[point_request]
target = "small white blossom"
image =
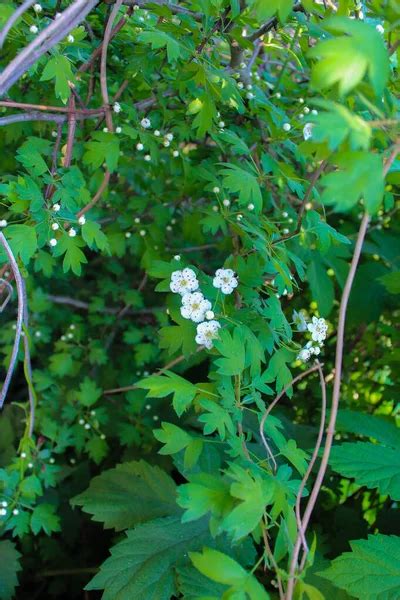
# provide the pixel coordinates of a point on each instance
(3, 223)
(209, 315)
(301, 100)
(53, 242)
(299, 321)
(142, 232)
(166, 143)
(307, 131)
(139, 146)
(306, 110)
(304, 355)
(105, 129)
(82, 220)
(215, 208)
(87, 425)
(145, 123)
(240, 85)
(175, 153)
(278, 95)
(72, 232)
(206, 333)
(301, 116)
(33, 29)
(221, 124)
(55, 226)
(117, 107)
(285, 214)
(318, 329)
(250, 206)
(3, 512)
(286, 127)
(128, 235)
(118, 129)
(147, 157)
(314, 111)
(216, 190)
(184, 281)
(226, 202)
(56, 207)
(37, 7)
(249, 95)
(239, 217)
(194, 307)
(38, 334)
(157, 132)
(16, 512)
(4, 504)
(71, 38)
(23, 454)
(169, 136)
(225, 280)
(380, 29)
(136, 220)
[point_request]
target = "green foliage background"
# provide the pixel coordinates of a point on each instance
(144, 485)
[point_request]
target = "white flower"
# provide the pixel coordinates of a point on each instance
(82, 220)
(177, 257)
(306, 110)
(33, 29)
(299, 321)
(37, 8)
(55, 226)
(72, 232)
(3, 223)
(184, 281)
(249, 95)
(286, 127)
(128, 235)
(53, 242)
(240, 85)
(226, 202)
(71, 38)
(175, 153)
(15, 511)
(139, 147)
(56, 207)
(307, 131)
(147, 157)
(194, 307)
(304, 355)
(225, 280)
(116, 107)
(318, 329)
(221, 124)
(105, 129)
(209, 315)
(145, 123)
(4, 504)
(379, 28)
(169, 136)
(314, 111)
(166, 143)
(3, 512)
(250, 206)
(206, 333)
(118, 129)
(216, 190)
(301, 100)
(157, 132)
(278, 95)
(142, 232)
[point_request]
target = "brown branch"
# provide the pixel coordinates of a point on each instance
(31, 116)
(13, 19)
(337, 380)
(97, 196)
(95, 112)
(71, 131)
(314, 178)
(103, 64)
(275, 401)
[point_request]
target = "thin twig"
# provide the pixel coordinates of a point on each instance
(301, 530)
(31, 116)
(273, 403)
(13, 19)
(97, 196)
(20, 317)
(103, 64)
(336, 382)
(315, 176)
(71, 132)
(95, 112)
(28, 366)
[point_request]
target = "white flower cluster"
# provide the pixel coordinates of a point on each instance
(194, 306)
(225, 280)
(317, 328)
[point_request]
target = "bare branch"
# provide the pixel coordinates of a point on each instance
(103, 64)
(20, 316)
(13, 19)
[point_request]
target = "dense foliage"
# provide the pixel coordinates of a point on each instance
(184, 188)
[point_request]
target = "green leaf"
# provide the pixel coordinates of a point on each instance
(223, 569)
(193, 585)
(345, 60)
(31, 487)
(373, 426)
(265, 9)
(360, 176)
(204, 109)
(232, 349)
(30, 155)
(278, 370)
(97, 448)
(59, 68)
(43, 517)
(28, 189)
(391, 281)
(103, 148)
(142, 566)
(131, 493)
(253, 493)
(88, 393)
(161, 39)
(74, 257)
(204, 493)
(338, 124)
(93, 236)
(371, 571)
(9, 560)
(23, 241)
(174, 438)
(243, 182)
(160, 386)
(321, 285)
(370, 465)
(217, 418)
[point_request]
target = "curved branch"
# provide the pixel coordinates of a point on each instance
(20, 316)
(13, 19)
